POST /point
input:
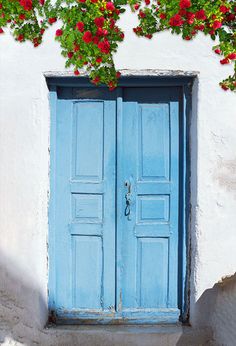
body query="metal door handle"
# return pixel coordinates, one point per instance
(128, 199)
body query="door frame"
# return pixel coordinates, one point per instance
(185, 84)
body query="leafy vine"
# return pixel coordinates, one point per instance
(89, 34)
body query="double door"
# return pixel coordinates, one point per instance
(115, 206)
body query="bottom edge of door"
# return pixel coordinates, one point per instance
(162, 317)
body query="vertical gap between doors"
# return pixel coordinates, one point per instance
(119, 95)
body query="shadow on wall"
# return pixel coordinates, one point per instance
(21, 306)
(217, 308)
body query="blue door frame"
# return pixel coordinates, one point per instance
(68, 89)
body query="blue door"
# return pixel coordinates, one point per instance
(115, 206)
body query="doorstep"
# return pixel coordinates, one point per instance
(158, 335)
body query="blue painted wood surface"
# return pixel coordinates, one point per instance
(105, 266)
(148, 238)
(85, 205)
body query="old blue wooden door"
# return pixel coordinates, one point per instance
(147, 236)
(114, 207)
(84, 207)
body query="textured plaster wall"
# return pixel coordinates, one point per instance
(24, 170)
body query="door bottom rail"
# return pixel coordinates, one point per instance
(152, 316)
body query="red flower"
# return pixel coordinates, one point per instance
(21, 16)
(230, 17)
(142, 14)
(224, 61)
(99, 60)
(36, 42)
(224, 87)
(217, 51)
(20, 38)
(182, 12)
(96, 80)
(190, 17)
(110, 6)
(95, 40)
(224, 9)
(70, 55)
(162, 15)
(232, 56)
(59, 32)
(118, 74)
(27, 4)
(76, 47)
(200, 27)
(111, 86)
(136, 6)
(176, 20)
(99, 21)
(1, 31)
(76, 73)
(42, 2)
(52, 20)
(147, 2)
(87, 37)
(99, 32)
(201, 15)
(104, 46)
(80, 26)
(137, 29)
(216, 25)
(185, 4)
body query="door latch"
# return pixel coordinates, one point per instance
(128, 199)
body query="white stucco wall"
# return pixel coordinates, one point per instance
(24, 170)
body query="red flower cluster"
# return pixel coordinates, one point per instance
(185, 4)
(80, 26)
(176, 20)
(87, 37)
(185, 16)
(188, 17)
(103, 44)
(26, 4)
(200, 15)
(99, 21)
(95, 37)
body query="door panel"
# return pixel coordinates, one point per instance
(152, 270)
(148, 256)
(153, 142)
(85, 206)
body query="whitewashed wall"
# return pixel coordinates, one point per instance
(24, 171)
